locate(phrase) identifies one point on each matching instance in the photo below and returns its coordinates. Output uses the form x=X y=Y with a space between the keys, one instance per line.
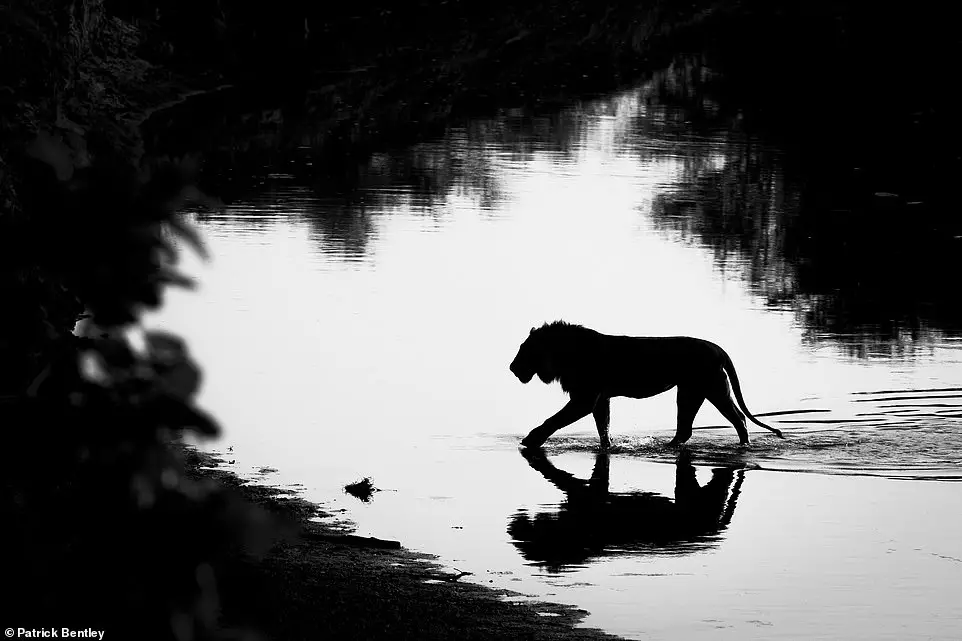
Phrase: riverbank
x=320 y=583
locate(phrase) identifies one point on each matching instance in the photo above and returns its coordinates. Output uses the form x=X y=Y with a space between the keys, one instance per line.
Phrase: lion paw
x=531 y=443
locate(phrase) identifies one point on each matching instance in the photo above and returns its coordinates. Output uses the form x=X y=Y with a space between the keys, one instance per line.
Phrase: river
x=370 y=336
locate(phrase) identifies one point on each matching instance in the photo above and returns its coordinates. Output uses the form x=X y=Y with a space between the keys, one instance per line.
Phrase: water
x=371 y=337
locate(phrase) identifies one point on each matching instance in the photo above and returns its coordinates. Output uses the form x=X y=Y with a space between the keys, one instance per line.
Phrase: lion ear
x=531 y=332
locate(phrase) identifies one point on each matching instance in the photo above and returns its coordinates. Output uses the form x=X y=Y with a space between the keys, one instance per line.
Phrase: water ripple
x=895 y=439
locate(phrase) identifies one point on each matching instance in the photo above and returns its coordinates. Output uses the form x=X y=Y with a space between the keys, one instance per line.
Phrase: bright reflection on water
x=372 y=338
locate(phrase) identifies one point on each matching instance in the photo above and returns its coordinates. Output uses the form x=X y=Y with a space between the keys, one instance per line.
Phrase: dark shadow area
x=593 y=522
x=368 y=78
x=103 y=527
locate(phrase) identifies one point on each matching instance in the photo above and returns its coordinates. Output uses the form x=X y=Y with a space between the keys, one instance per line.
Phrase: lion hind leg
x=602 y=416
x=722 y=400
x=689 y=402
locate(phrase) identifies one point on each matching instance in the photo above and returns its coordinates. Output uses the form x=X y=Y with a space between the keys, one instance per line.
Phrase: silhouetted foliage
x=104 y=529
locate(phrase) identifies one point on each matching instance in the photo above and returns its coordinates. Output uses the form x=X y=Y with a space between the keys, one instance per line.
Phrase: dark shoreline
x=319 y=582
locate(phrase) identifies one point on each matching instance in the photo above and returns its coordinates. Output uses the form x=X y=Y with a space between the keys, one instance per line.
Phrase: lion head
x=535 y=356
x=557 y=351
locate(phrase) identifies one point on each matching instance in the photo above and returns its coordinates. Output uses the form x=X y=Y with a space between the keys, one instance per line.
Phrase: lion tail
x=737 y=389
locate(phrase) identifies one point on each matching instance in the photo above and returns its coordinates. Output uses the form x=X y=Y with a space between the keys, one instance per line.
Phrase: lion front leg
x=576 y=408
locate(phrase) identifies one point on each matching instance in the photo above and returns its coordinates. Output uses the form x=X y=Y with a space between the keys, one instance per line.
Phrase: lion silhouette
x=593 y=368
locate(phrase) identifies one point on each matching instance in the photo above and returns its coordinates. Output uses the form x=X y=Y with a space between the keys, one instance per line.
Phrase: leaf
x=115 y=351
x=176 y=414
x=177 y=374
x=189 y=235
x=181 y=380
x=161 y=344
x=173 y=277
x=167 y=251
x=38 y=381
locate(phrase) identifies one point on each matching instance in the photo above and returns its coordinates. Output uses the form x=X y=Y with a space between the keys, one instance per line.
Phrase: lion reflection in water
x=593 y=522
x=593 y=368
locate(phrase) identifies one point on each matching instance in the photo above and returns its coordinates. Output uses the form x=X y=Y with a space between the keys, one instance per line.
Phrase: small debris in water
x=362 y=489
x=460 y=573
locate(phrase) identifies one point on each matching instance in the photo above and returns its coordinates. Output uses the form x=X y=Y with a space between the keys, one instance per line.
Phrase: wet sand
x=320 y=583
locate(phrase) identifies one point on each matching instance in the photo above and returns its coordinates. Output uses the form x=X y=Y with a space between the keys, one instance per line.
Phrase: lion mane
x=562 y=352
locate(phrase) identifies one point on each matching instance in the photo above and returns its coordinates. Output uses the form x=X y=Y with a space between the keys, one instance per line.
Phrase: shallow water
x=371 y=336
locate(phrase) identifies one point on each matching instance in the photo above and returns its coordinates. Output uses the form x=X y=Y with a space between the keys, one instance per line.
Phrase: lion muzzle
x=524 y=377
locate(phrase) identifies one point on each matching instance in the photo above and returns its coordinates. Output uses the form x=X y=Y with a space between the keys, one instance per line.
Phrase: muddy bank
x=319 y=582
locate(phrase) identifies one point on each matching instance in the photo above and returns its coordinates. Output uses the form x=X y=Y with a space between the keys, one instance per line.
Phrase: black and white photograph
x=481 y=320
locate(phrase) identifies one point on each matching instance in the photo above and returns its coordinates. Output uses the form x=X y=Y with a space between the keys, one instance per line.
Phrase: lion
x=593 y=368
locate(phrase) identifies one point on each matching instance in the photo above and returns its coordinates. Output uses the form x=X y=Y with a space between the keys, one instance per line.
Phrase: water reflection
x=593 y=522
x=863 y=265
x=342 y=228
x=870 y=270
